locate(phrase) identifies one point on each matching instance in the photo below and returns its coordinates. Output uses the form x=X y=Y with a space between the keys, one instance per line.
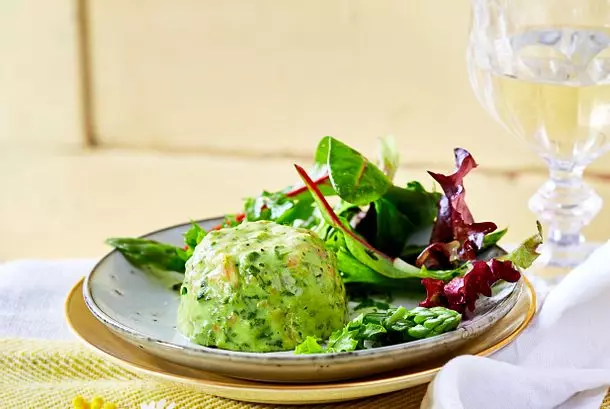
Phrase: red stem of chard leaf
x=297 y=191
x=331 y=216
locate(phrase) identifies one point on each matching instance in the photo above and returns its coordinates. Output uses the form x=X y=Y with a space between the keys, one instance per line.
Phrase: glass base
x=564 y=204
x=555 y=262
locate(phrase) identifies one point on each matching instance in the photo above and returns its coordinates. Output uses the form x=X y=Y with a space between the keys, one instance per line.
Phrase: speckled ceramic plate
x=103 y=341
x=143 y=311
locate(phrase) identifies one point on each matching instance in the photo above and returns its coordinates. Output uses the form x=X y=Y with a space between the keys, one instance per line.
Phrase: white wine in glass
x=542 y=69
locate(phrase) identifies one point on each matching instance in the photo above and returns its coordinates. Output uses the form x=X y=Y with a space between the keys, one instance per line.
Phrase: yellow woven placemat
x=49 y=374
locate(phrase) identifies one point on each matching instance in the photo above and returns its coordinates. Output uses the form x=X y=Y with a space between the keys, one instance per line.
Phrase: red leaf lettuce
x=455 y=235
x=461 y=293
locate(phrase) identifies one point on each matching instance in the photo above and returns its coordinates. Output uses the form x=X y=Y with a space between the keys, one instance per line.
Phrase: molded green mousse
x=261 y=287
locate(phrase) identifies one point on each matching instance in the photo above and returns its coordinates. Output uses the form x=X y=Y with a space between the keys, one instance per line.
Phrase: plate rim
x=389 y=384
x=241 y=356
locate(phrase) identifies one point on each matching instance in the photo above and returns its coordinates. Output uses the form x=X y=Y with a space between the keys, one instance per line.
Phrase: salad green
x=383 y=235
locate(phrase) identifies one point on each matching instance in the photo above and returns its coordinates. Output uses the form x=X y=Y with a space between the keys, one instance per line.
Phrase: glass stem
x=564 y=229
x=565 y=204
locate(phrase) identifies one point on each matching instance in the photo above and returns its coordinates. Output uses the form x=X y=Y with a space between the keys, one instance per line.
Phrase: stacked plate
x=130 y=318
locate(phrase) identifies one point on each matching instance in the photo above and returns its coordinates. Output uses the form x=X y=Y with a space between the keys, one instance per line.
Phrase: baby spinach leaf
x=353 y=271
x=362 y=279
x=354 y=178
x=363 y=251
x=398 y=215
x=415 y=202
x=392 y=228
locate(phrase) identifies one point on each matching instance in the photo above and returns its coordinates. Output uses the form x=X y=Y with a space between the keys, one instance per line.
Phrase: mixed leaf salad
x=384 y=235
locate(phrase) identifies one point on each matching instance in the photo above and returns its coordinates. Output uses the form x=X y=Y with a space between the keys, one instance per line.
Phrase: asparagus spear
x=148 y=254
x=158 y=259
x=388 y=327
x=417 y=323
x=153 y=255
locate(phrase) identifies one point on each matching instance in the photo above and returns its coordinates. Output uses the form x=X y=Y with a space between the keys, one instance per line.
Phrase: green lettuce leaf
x=397 y=216
x=309 y=346
x=282 y=209
x=388 y=158
x=363 y=251
x=354 y=178
x=525 y=255
x=492 y=239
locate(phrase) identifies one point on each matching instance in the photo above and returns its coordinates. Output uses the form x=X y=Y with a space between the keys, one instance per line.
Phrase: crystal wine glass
x=542 y=69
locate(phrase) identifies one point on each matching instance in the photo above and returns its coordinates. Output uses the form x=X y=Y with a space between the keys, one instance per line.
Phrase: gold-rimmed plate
x=95 y=335
x=140 y=310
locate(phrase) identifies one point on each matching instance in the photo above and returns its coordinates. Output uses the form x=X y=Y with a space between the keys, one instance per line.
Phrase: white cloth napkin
x=32 y=295
x=562 y=360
